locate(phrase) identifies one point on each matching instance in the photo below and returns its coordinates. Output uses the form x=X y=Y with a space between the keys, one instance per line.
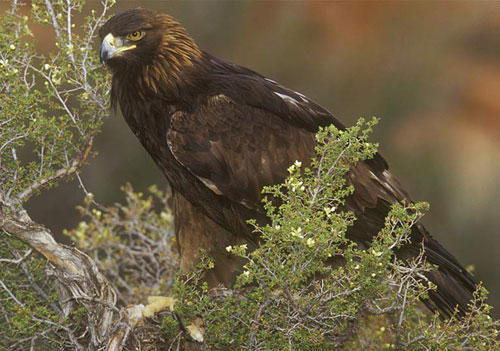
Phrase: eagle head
x=153 y=47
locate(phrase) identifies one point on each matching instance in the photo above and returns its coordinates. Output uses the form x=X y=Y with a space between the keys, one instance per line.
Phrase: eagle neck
x=158 y=83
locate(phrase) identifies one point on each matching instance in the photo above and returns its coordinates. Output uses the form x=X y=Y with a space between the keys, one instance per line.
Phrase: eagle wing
x=235 y=149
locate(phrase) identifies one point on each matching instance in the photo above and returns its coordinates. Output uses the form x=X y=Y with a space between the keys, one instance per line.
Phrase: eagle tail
x=454 y=284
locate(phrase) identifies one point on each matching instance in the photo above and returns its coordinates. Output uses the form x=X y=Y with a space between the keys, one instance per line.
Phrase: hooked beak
x=112 y=47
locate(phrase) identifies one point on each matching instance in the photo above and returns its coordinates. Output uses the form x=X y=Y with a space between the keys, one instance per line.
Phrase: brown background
x=429 y=70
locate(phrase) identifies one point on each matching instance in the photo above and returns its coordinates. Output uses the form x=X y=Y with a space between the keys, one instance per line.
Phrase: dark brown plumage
x=220 y=132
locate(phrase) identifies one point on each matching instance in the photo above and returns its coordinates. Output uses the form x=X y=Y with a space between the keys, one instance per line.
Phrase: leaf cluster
x=132 y=244
x=30 y=313
x=51 y=104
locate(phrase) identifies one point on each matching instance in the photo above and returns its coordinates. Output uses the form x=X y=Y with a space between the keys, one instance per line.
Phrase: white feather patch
x=287 y=98
x=209 y=184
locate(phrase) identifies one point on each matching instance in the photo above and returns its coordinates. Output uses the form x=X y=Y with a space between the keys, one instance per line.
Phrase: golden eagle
x=220 y=132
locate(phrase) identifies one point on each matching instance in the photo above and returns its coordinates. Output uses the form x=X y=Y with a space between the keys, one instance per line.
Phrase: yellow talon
x=158 y=303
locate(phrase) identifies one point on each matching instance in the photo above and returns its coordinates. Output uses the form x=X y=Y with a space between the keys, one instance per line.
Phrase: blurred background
x=429 y=70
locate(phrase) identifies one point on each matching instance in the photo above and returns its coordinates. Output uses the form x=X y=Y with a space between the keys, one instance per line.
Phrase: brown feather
x=220 y=132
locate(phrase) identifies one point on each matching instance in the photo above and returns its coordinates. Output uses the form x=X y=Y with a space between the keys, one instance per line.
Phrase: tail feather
x=454 y=285
x=453 y=291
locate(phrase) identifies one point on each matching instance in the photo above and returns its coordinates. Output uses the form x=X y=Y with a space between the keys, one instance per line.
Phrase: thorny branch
x=75 y=165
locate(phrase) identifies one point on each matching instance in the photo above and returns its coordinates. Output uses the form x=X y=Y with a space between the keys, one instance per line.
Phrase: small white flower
x=310 y=242
x=83 y=226
x=297 y=232
x=229 y=248
x=56 y=80
x=298 y=163
x=246 y=273
x=12 y=47
x=329 y=210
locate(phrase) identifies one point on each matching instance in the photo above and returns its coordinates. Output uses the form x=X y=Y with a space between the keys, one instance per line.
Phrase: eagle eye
x=135 y=35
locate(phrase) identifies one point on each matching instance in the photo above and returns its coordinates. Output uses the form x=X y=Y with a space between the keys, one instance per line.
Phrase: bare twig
x=59 y=174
